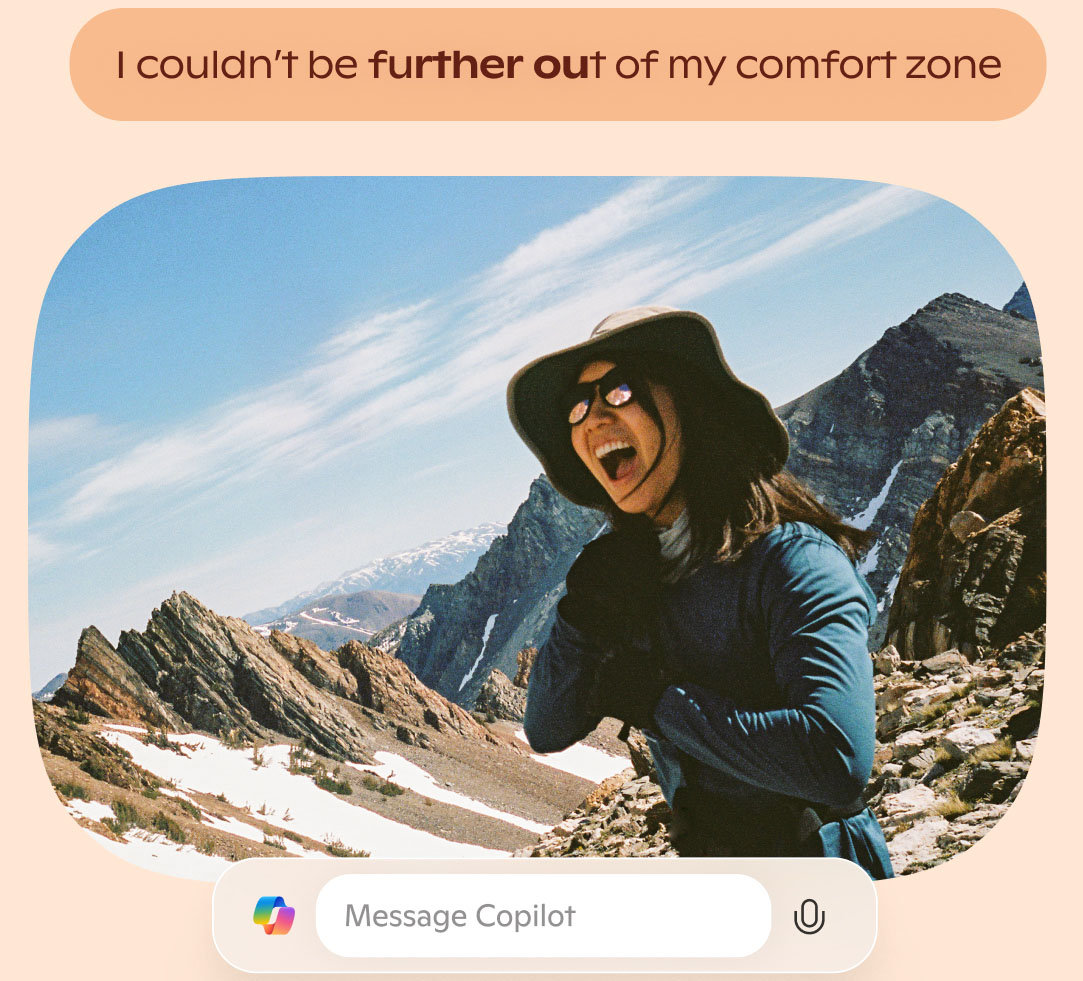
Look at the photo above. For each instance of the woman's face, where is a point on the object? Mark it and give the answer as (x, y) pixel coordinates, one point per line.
(623, 448)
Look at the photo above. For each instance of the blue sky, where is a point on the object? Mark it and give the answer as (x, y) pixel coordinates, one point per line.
(241, 388)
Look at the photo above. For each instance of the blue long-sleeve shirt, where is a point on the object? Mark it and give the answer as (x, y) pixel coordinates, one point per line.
(773, 695)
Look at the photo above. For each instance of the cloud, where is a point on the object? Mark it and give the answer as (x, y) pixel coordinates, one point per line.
(63, 433)
(411, 366)
(871, 211)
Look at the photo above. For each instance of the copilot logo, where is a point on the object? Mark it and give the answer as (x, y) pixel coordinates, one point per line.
(273, 914)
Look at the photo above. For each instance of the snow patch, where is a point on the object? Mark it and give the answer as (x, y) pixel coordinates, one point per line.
(872, 556)
(866, 517)
(159, 854)
(889, 594)
(484, 643)
(413, 777)
(93, 810)
(581, 761)
(273, 791)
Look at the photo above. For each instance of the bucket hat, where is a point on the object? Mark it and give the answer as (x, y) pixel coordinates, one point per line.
(681, 337)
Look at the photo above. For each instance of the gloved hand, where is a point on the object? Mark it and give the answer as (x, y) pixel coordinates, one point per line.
(627, 686)
(613, 586)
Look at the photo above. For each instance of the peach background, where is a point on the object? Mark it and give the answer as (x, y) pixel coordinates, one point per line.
(570, 32)
(1005, 909)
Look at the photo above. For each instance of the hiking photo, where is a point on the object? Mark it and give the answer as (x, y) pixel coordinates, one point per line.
(488, 517)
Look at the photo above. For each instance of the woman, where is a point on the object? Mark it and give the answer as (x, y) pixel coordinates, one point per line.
(722, 614)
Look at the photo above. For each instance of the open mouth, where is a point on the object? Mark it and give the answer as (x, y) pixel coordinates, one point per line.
(617, 458)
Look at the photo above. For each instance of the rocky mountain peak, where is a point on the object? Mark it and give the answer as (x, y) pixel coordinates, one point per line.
(459, 633)
(975, 574)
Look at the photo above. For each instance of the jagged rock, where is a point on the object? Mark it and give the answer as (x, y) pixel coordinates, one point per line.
(501, 698)
(386, 685)
(965, 523)
(994, 780)
(874, 440)
(319, 667)
(1020, 304)
(989, 588)
(949, 662)
(887, 661)
(192, 669)
(1028, 649)
(619, 819)
(524, 664)
(907, 804)
(461, 632)
(960, 741)
(640, 754)
(1023, 722)
(103, 683)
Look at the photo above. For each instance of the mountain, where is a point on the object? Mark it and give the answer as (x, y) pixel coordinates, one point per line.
(410, 572)
(1020, 303)
(874, 440)
(460, 632)
(871, 442)
(331, 621)
(46, 691)
(958, 704)
(201, 740)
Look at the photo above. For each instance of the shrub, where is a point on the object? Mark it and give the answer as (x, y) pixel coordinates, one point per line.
(301, 761)
(293, 836)
(954, 807)
(389, 789)
(126, 817)
(151, 792)
(166, 825)
(78, 715)
(331, 783)
(274, 842)
(207, 846)
(189, 808)
(73, 790)
(1000, 750)
(338, 850)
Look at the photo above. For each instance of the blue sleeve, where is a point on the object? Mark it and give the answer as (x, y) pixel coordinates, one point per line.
(557, 693)
(818, 745)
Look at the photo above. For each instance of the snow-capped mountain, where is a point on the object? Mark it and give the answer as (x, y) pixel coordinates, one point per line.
(445, 560)
(45, 692)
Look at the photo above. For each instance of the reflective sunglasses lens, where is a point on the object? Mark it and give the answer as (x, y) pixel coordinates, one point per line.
(619, 395)
(579, 411)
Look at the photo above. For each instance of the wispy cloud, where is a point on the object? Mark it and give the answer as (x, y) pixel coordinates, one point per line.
(429, 361)
(872, 210)
(63, 433)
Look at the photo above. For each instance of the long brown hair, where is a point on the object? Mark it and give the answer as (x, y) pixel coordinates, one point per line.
(731, 491)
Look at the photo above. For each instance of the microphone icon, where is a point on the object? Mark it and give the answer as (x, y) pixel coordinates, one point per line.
(811, 920)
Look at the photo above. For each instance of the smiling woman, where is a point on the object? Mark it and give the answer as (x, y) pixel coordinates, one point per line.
(722, 614)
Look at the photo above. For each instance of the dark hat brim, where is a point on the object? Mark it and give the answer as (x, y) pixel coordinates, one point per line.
(535, 402)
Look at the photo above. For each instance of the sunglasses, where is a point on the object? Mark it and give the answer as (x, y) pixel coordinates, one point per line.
(615, 387)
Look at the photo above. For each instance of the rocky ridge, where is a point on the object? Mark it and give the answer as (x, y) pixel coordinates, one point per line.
(874, 440)
(460, 632)
(192, 669)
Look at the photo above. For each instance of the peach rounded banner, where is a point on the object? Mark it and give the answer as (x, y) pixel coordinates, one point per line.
(557, 64)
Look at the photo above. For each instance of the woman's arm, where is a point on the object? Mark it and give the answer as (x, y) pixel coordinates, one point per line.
(558, 712)
(819, 745)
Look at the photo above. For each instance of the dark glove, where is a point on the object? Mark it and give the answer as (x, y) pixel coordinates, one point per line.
(613, 586)
(627, 686)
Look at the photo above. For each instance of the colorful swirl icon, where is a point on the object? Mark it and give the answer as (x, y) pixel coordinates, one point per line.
(273, 914)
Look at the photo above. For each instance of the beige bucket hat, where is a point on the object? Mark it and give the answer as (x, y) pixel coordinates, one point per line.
(535, 392)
